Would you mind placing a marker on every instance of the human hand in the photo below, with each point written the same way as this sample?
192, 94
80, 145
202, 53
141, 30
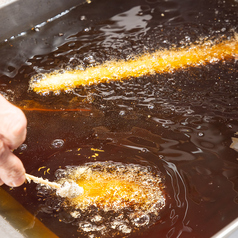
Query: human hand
12, 134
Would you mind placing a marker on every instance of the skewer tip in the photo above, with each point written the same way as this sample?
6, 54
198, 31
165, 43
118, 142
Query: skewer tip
70, 190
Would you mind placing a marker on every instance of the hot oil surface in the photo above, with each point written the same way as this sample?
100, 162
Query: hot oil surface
178, 125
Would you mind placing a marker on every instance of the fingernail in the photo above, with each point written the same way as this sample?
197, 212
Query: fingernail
12, 184
18, 181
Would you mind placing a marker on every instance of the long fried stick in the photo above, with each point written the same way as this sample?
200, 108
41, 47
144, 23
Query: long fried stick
158, 62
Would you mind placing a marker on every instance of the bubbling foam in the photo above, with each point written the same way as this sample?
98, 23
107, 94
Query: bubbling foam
118, 198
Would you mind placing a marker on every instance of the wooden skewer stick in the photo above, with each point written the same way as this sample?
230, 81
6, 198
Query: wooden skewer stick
68, 189
43, 181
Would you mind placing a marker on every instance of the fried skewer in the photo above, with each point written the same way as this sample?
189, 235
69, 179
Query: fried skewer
161, 61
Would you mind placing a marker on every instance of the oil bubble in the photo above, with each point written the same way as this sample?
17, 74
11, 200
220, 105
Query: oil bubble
75, 214
60, 173
96, 218
58, 143
65, 217
142, 220
89, 59
124, 228
23, 147
151, 106
122, 113
83, 18
86, 226
87, 29
200, 134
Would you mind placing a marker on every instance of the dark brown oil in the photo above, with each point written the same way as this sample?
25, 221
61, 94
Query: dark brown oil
179, 124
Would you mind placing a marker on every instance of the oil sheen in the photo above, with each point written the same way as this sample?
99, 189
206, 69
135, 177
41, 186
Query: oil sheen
149, 144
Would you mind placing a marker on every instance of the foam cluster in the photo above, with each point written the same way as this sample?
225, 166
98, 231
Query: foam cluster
118, 198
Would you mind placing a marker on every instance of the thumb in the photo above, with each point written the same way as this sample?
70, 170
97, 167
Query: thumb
12, 171
12, 124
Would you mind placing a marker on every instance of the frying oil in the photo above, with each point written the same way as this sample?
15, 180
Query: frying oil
170, 130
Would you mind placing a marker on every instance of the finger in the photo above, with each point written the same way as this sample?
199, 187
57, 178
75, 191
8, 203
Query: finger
12, 171
13, 124
1, 182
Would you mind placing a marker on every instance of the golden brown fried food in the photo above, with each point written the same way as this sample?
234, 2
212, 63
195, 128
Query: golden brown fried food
158, 62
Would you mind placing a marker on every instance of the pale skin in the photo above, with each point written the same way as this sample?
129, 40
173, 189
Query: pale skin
12, 134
